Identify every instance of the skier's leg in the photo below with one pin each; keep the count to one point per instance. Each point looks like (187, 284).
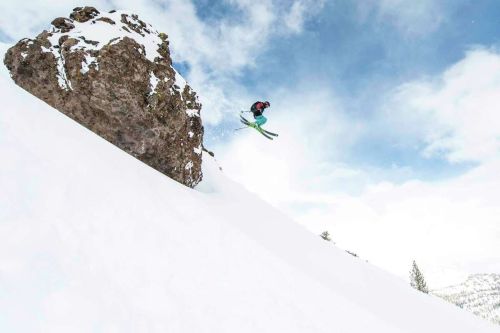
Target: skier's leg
(260, 120)
(264, 120)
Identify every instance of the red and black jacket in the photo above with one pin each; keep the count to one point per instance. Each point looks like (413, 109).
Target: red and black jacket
(257, 109)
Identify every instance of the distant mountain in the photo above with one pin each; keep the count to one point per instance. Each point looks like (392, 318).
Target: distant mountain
(480, 294)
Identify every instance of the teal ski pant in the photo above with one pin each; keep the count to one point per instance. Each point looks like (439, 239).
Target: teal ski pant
(260, 120)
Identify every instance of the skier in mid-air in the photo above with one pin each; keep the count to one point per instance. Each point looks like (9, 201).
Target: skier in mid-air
(257, 110)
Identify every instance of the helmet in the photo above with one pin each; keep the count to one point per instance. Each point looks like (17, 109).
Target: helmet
(267, 104)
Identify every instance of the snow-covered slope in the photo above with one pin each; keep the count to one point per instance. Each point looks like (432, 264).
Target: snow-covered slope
(92, 240)
(480, 294)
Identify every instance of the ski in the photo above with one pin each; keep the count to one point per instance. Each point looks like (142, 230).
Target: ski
(244, 121)
(262, 131)
(264, 134)
(269, 133)
(258, 129)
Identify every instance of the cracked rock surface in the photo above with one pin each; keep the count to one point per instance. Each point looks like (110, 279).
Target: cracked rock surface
(113, 74)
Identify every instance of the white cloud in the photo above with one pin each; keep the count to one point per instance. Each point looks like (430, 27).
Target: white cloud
(451, 227)
(299, 12)
(295, 18)
(456, 113)
(412, 18)
(215, 50)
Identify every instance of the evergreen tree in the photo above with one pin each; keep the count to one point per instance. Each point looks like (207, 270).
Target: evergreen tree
(326, 236)
(417, 280)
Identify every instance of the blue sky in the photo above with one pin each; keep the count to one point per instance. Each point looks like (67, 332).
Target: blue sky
(362, 59)
(387, 112)
(378, 155)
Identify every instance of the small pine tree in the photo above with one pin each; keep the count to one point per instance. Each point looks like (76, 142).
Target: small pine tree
(326, 236)
(417, 280)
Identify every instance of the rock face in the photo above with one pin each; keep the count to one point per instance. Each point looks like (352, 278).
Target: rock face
(113, 74)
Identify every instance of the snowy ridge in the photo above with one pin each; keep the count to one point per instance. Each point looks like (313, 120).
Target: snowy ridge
(93, 240)
(97, 33)
(480, 294)
(105, 29)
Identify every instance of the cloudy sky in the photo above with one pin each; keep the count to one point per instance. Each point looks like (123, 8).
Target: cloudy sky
(387, 112)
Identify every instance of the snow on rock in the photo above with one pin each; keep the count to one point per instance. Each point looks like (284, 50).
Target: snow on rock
(179, 81)
(192, 113)
(92, 240)
(113, 73)
(198, 150)
(153, 82)
(87, 62)
(103, 29)
(62, 79)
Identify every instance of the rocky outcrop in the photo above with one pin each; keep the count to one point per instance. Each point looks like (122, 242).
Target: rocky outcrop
(113, 74)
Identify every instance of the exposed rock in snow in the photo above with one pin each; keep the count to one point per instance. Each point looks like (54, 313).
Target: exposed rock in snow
(113, 74)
